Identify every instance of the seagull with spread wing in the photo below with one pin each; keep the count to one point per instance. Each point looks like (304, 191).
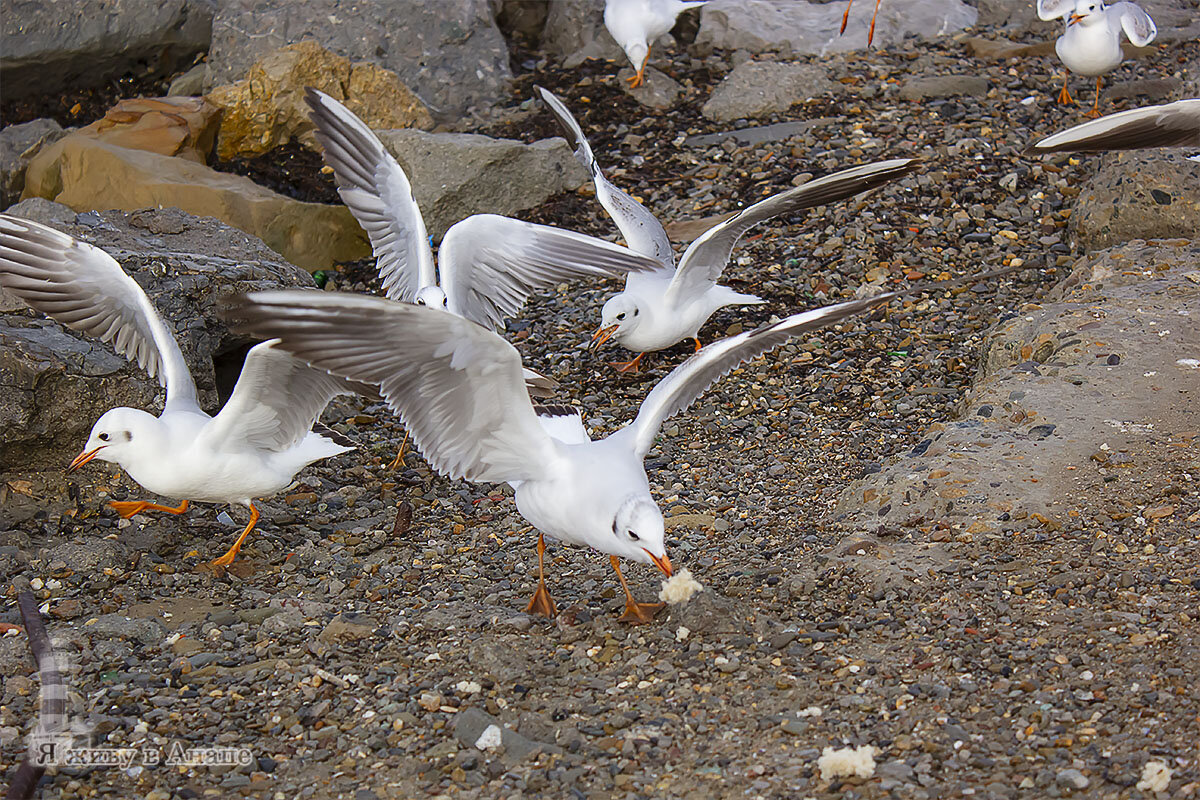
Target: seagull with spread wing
(253, 448)
(671, 303)
(1170, 125)
(1091, 43)
(459, 390)
(636, 24)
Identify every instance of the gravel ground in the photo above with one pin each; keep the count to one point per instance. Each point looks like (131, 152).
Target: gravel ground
(376, 617)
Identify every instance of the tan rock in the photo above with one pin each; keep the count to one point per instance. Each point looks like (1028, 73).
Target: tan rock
(170, 126)
(267, 109)
(93, 174)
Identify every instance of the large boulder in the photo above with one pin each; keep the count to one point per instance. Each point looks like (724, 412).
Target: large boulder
(170, 126)
(450, 52)
(1075, 393)
(18, 145)
(54, 382)
(1139, 195)
(86, 174)
(575, 32)
(761, 88)
(796, 26)
(48, 45)
(267, 109)
(455, 175)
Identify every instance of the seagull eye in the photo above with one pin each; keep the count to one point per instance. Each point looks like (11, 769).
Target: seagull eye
(103, 437)
(420, 301)
(634, 536)
(621, 315)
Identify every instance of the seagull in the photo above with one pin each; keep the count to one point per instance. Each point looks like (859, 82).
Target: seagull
(1091, 44)
(488, 264)
(253, 448)
(458, 388)
(636, 24)
(1171, 125)
(659, 308)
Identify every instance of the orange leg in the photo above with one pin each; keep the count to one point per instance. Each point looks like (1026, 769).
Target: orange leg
(231, 553)
(1095, 112)
(398, 461)
(845, 17)
(628, 366)
(1064, 97)
(871, 32)
(635, 613)
(128, 509)
(542, 603)
(640, 78)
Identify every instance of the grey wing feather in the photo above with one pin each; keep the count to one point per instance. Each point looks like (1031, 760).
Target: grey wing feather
(1054, 9)
(85, 289)
(491, 264)
(1172, 125)
(277, 400)
(705, 258)
(458, 388)
(379, 195)
(1137, 24)
(642, 231)
(693, 377)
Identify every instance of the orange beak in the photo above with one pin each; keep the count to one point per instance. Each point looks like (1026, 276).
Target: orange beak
(603, 335)
(1071, 20)
(83, 458)
(664, 563)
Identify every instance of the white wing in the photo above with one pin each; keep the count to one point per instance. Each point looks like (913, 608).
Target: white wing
(705, 258)
(1054, 9)
(1138, 26)
(275, 402)
(378, 194)
(491, 264)
(1172, 125)
(642, 231)
(692, 378)
(458, 387)
(82, 287)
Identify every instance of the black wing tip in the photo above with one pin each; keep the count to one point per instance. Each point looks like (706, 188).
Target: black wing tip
(329, 433)
(554, 410)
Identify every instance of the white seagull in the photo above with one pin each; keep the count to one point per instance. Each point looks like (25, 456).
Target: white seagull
(1170, 125)
(636, 24)
(489, 264)
(657, 309)
(458, 388)
(253, 448)
(1091, 43)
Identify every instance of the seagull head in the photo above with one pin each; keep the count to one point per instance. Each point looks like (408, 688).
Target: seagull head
(618, 319)
(637, 530)
(116, 437)
(433, 297)
(1088, 12)
(637, 53)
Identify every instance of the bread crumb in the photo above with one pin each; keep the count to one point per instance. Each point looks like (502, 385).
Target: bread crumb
(1156, 776)
(811, 711)
(847, 762)
(682, 633)
(679, 588)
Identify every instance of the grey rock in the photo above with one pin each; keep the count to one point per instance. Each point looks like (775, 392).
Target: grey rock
(1158, 89)
(91, 555)
(658, 90)
(1139, 195)
(502, 658)
(54, 383)
(796, 26)
(118, 626)
(18, 145)
(52, 44)
(575, 32)
(1071, 779)
(455, 175)
(707, 612)
(190, 83)
(450, 53)
(944, 86)
(472, 722)
(759, 88)
(281, 622)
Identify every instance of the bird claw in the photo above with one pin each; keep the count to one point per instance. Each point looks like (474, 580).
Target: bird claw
(542, 603)
(1064, 98)
(640, 613)
(627, 366)
(127, 508)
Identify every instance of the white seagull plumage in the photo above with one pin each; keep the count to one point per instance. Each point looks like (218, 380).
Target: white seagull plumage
(659, 308)
(636, 24)
(1091, 42)
(1169, 125)
(253, 448)
(457, 386)
(488, 264)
